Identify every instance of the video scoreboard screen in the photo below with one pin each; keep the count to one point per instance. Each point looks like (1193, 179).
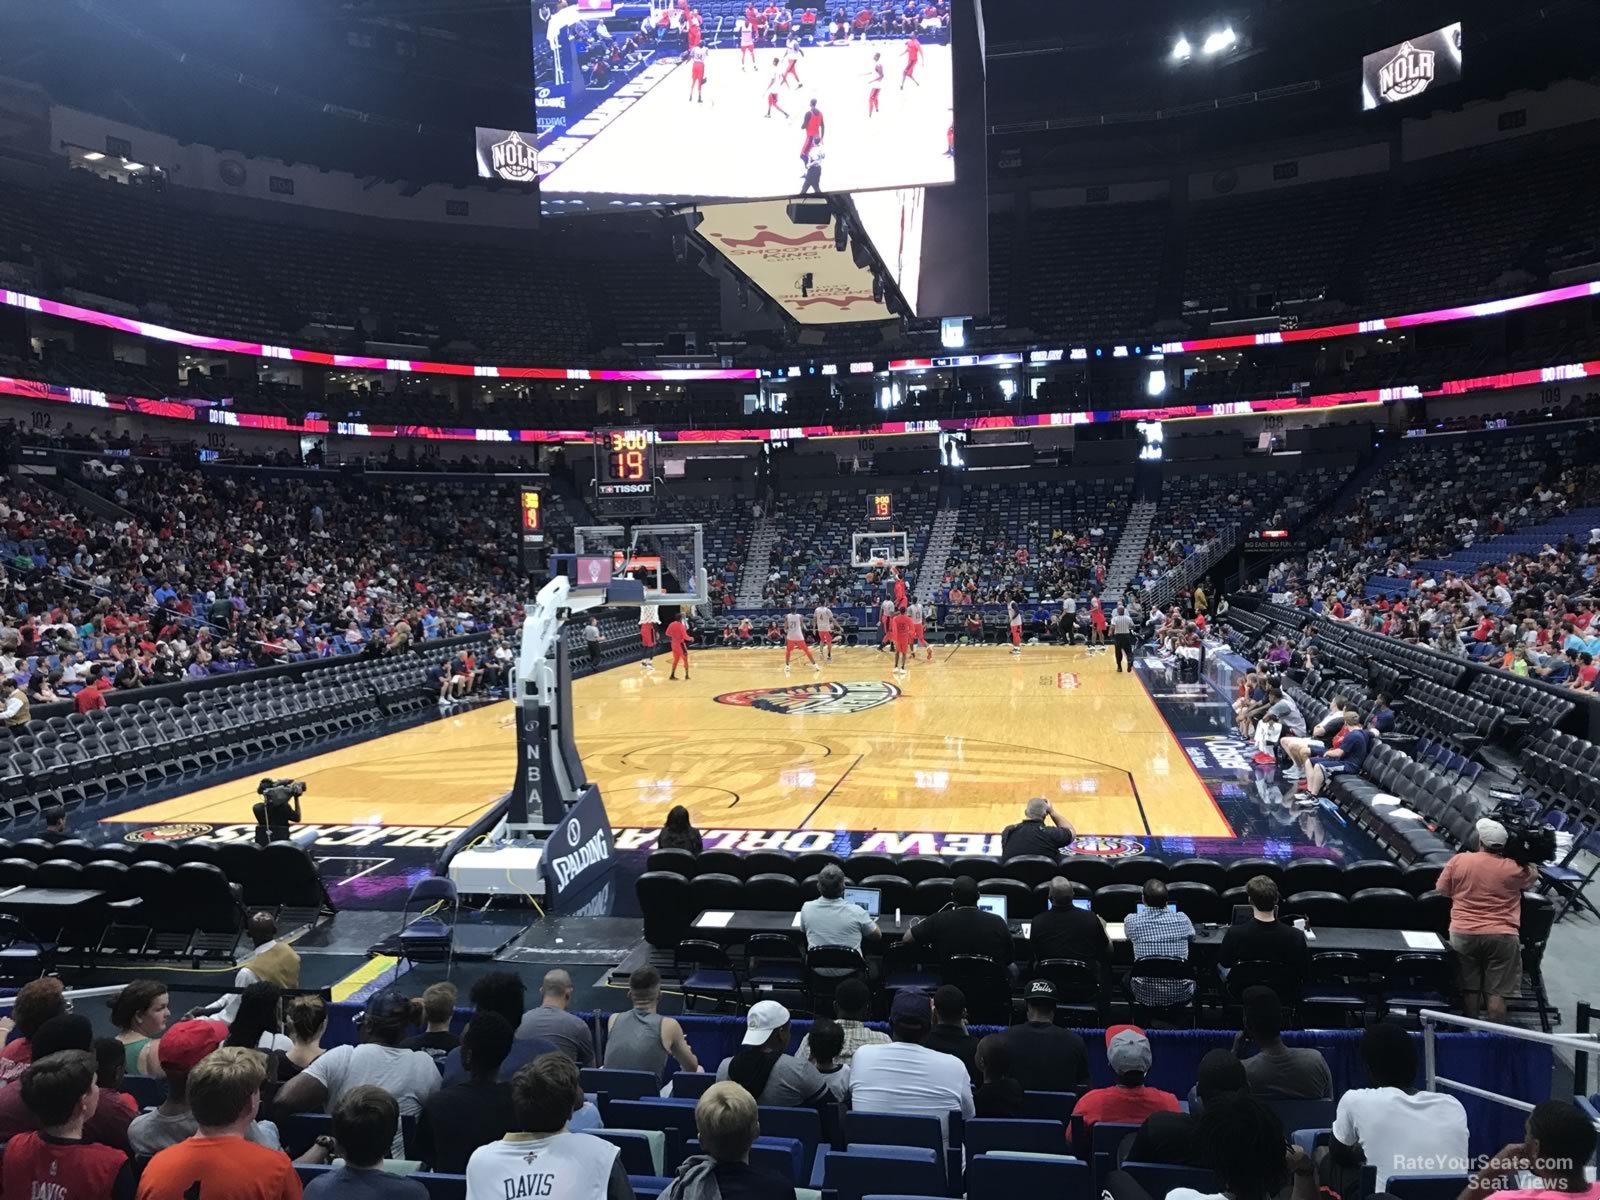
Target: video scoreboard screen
(625, 470)
(667, 105)
(530, 528)
(1407, 70)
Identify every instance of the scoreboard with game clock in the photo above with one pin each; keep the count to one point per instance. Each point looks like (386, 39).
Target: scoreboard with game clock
(625, 471)
(880, 512)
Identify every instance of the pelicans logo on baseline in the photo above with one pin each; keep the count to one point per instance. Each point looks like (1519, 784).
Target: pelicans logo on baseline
(820, 699)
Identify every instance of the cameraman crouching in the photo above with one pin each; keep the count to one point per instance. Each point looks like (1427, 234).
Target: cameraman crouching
(1485, 889)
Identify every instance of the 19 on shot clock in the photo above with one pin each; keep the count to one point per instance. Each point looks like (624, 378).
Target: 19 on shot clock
(625, 471)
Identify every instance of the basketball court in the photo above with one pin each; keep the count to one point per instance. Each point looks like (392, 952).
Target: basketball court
(955, 748)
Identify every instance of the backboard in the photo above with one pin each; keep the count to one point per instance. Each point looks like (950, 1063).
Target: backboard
(893, 548)
(669, 560)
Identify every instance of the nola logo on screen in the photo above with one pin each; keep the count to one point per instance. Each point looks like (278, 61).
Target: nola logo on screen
(514, 159)
(814, 699)
(1407, 74)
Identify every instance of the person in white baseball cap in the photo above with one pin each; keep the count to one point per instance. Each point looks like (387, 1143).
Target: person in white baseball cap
(1485, 889)
(763, 1067)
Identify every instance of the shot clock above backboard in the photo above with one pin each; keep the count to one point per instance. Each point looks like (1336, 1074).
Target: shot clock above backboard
(625, 471)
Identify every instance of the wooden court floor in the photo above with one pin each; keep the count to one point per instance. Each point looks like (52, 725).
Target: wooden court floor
(956, 747)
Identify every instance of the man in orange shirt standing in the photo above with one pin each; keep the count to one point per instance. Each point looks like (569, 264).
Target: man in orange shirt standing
(1485, 889)
(217, 1163)
(678, 635)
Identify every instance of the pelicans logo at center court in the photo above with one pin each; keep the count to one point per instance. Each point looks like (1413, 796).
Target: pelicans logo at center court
(814, 699)
(1091, 846)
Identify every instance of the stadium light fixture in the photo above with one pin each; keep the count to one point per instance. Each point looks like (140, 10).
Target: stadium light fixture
(1155, 383)
(93, 156)
(1181, 50)
(132, 166)
(1222, 39)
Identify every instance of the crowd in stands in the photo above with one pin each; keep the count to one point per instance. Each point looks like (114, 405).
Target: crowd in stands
(205, 574)
(1034, 541)
(1417, 557)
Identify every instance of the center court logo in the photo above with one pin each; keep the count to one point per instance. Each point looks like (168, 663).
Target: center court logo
(167, 833)
(1107, 847)
(821, 699)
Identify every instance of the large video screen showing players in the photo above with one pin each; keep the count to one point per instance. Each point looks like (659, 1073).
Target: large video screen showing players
(709, 100)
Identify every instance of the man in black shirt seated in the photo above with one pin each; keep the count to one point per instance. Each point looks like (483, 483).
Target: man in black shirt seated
(1264, 938)
(1067, 931)
(1173, 1137)
(963, 927)
(1045, 1057)
(1032, 836)
(949, 1034)
(55, 825)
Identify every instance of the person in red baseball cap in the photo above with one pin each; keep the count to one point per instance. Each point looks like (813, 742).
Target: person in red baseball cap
(183, 1046)
(1128, 1101)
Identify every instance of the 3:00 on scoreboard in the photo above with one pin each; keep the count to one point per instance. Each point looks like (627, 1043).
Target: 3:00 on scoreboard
(625, 462)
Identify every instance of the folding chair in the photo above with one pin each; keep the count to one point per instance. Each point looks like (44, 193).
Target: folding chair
(430, 938)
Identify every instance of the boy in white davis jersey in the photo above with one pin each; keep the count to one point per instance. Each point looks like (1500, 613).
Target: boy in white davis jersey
(649, 615)
(794, 638)
(885, 616)
(822, 622)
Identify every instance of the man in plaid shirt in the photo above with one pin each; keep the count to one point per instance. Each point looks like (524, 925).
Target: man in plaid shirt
(1159, 932)
(852, 1002)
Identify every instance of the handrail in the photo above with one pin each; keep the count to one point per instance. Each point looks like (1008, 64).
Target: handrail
(1430, 1018)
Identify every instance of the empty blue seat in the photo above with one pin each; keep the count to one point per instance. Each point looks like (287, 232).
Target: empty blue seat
(1004, 1177)
(853, 1174)
(1035, 1137)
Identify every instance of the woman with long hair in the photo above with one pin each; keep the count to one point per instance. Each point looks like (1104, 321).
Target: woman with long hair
(258, 1025)
(677, 833)
(140, 1013)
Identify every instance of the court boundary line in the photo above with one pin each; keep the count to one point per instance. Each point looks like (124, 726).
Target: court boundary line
(816, 808)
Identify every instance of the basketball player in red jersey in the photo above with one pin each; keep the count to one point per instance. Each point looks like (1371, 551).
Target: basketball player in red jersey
(1014, 619)
(691, 29)
(899, 588)
(678, 635)
(812, 123)
(794, 638)
(913, 56)
(772, 91)
(697, 74)
(875, 79)
(747, 45)
(900, 629)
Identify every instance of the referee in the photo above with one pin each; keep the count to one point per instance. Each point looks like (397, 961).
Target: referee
(1122, 637)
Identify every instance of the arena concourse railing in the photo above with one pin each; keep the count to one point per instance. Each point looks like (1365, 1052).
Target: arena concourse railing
(1431, 1019)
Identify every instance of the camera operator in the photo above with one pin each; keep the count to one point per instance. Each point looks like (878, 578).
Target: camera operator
(1485, 889)
(278, 806)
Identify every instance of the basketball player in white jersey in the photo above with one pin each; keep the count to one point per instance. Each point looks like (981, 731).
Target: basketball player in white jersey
(649, 616)
(1014, 619)
(886, 622)
(822, 622)
(794, 638)
(919, 636)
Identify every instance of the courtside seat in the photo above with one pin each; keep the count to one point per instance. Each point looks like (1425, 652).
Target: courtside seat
(664, 900)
